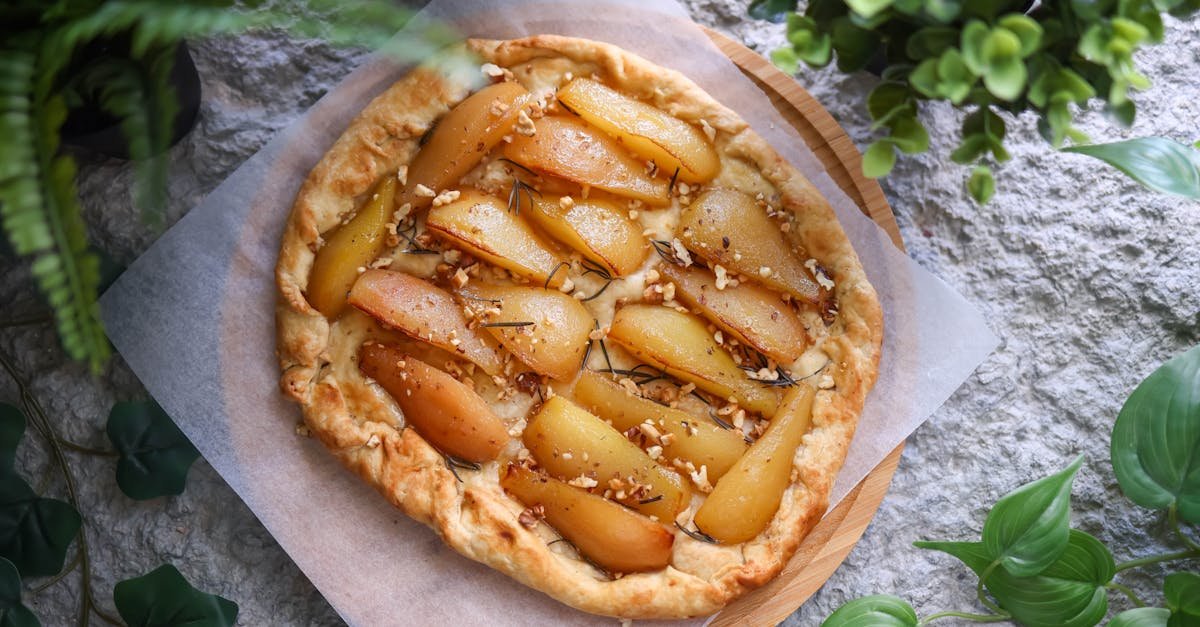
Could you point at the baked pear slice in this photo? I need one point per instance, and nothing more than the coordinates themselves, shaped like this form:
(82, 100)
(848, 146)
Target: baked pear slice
(747, 497)
(646, 130)
(753, 314)
(728, 227)
(349, 247)
(576, 446)
(426, 312)
(545, 329)
(599, 229)
(690, 438)
(567, 147)
(483, 225)
(615, 538)
(680, 344)
(447, 413)
(461, 139)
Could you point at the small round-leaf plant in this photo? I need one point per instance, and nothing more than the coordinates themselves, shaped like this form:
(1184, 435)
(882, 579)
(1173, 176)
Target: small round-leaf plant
(46, 69)
(1033, 569)
(1050, 57)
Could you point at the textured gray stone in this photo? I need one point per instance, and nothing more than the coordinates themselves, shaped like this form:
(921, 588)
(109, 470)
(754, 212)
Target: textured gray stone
(1090, 280)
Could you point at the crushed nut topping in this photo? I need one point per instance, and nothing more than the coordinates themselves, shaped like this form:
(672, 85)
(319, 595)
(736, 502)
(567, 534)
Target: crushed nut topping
(424, 192)
(584, 481)
(402, 174)
(373, 441)
(446, 197)
(566, 202)
(681, 252)
(525, 124)
(531, 516)
(722, 276)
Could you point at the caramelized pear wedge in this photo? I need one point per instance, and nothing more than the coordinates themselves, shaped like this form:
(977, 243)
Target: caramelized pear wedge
(680, 344)
(567, 147)
(572, 444)
(691, 439)
(483, 225)
(753, 314)
(611, 536)
(647, 131)
(728, 227)
(554, 343)
(747, 497)
(462, 138)
(599, 229)
(425, 312)
(351, 246)
(448, 414)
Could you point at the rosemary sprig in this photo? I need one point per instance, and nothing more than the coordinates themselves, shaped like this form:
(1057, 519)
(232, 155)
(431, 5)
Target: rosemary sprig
(782, 380)
(454, 464)
(667, 252)
(653, 499)
(564, 105)
(553, 272)
(671, 185)
(637, 374)
(514, 195)
(527, 170)
(481, 299)
(415, 248)
(506, 324)
(591, 267)
(697, 534)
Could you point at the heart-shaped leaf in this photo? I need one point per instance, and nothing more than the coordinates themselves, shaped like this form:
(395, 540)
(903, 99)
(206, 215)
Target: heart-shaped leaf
(879, 159)
(785, 59)
(943, 11)
(878, 610)
(155, 455)
(1141, 617)
(1182, 591)
(809, 43)
(1027, 529)
(930, 42)
(854, 44)
(1026, 30)
(1156, 436)
(1156, 162)
(981, 184)
(12, 427)
(34, 532)
(1069, 593)
(12, 613)
(868, 8)
(908, 135)
(771, 10)
(887, 100)
(1005, 78)
(163, 598)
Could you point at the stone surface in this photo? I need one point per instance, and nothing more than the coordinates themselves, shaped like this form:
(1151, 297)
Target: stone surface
(1090, 280)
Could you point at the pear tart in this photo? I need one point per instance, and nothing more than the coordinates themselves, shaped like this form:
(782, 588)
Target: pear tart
(583, 322)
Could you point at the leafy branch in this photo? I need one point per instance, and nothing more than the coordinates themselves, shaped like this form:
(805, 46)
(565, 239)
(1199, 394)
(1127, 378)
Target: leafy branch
(1034, 569)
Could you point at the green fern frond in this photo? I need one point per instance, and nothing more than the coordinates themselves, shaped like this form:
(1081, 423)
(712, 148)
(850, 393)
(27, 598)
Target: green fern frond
(20, 192)
(68, 272)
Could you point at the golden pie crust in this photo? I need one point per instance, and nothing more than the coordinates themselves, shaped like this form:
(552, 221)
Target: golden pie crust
(361, 425)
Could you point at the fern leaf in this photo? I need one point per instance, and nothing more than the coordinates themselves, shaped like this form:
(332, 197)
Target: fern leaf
(20, 194)
(68, 272)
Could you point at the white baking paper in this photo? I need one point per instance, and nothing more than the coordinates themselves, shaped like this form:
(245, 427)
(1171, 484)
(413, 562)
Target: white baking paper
(194, 318)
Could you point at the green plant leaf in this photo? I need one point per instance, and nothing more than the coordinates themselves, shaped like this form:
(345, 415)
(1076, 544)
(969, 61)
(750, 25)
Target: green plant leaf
(12, 428)
(35, 532)
(771, 10)
(785, 59)
(907, 134)
(1027, 529)
(1156, 162)
(974, 35)
(971, 148)
(854, 45)
(1182, 592)
(1006, 79)
(1141, 617)
(888, 100)
(878, 610)
(809, 43)
(868, 8)
(879, 159)
(155, 455)
(930, 42)
(163, 598)
(12, 613)
(1070, 592)
(1027, 31)
(943, 11)
(981, 184)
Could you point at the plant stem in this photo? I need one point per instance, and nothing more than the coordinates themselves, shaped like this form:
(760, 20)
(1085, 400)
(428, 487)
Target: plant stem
(87, 450)
(1154, 559)
(977, 618)
(1127, 591)
(41, 422)
(1173, 517)
(979, 592)
(41, 318)
(68, 569)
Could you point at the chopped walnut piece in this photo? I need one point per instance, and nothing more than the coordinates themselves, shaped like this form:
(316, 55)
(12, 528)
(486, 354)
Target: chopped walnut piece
(530, 517)
(700, 479)
(373, 441)
(402, 174)
(446, 197)
(722, 276)
(460, 278)
(525, 124)
(584, 481)
(423, 191)
(566, 202)
(631, 388)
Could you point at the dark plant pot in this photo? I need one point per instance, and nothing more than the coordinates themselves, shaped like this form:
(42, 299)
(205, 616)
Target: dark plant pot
(91, 128)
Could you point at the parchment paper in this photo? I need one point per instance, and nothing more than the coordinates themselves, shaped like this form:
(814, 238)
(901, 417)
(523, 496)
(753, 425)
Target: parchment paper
(194, 318)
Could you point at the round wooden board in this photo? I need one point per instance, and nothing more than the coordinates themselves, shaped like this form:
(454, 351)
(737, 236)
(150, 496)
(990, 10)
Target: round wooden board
(829, 543)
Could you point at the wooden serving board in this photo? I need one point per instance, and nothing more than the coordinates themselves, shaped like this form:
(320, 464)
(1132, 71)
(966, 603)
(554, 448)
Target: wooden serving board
(829, 543)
